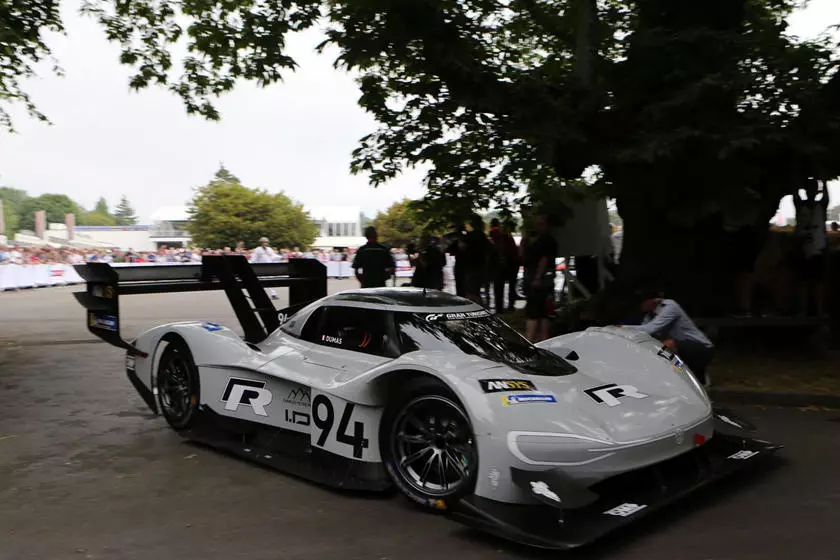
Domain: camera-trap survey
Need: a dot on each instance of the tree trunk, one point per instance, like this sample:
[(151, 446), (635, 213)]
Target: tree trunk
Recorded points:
[(685, 262)]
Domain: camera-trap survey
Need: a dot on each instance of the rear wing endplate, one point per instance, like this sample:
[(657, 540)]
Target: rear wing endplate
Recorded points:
[(305, 278)]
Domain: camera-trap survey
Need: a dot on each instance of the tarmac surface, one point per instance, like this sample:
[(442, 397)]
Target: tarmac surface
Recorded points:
[(86, 472)]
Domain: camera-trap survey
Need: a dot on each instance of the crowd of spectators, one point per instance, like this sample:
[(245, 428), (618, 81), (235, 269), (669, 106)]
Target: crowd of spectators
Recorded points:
[(18, 254)]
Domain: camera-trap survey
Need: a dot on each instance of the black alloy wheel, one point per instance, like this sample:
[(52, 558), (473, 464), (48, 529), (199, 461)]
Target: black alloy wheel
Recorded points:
[(177, 384)]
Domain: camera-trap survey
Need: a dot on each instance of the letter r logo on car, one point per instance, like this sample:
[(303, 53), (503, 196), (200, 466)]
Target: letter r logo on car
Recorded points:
[(246, 392), (610, 394)]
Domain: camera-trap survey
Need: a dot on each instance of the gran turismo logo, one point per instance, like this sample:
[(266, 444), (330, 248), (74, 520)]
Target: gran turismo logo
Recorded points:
[(246, 392), (612, 394)]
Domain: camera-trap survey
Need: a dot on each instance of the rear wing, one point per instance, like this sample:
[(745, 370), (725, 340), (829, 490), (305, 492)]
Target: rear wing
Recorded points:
[(305, 278)]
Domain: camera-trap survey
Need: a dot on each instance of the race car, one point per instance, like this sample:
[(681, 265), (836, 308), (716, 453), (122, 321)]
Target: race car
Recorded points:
[(551, 445)]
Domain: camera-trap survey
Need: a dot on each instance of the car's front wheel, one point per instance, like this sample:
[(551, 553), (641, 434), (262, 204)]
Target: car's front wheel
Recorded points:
[(177, 384), (428, 445)]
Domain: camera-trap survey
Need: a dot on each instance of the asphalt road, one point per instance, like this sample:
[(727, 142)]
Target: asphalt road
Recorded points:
[(87, 473)]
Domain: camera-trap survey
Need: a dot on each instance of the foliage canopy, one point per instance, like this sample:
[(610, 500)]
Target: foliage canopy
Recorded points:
[(225, 212), (690, 113), (400, 224)]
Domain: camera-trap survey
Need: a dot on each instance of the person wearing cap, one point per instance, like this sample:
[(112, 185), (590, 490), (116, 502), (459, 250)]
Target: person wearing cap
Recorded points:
[(264, 254), (374, 264), (666, 320)]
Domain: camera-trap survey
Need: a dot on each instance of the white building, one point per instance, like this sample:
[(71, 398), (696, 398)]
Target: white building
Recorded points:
[(169, 226), (340, 227)]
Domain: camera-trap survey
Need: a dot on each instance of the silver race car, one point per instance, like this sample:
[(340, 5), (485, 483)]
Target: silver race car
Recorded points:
[(550, 445)]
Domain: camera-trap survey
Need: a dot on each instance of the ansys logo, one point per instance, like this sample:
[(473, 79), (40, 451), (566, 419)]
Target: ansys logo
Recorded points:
[(500, 385)]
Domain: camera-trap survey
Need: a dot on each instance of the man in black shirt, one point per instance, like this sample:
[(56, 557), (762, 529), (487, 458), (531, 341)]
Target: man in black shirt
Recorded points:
[(454, 246), (540, 252), (373, 262), (428, 265), (476, 253)]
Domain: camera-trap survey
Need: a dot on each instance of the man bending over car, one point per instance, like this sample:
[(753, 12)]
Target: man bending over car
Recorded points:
[(667, 321)]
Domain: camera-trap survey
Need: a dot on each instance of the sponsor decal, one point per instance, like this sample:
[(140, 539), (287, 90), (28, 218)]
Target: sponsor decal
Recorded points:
[(282, 317), (104, 322), (742, 455), (540, 488), (679, 437), (625, 510), (211, 327), (494, 475), (246, 392), (611, 394), (666, 353), (57, 272), (457, 316), (502, 385), (508, 400), (331, 339), (298, 398), (130, 363), (296, 417)]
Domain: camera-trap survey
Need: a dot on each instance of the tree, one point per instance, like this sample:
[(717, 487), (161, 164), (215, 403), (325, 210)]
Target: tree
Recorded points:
[(96, 218), (400, 224), (101, 207), (499, 97), (13, 200), (21, 47), (224, 212), (124, 213), (57, 206)]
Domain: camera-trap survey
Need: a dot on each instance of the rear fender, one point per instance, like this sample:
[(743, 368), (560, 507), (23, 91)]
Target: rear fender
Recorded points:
[(209, 343)]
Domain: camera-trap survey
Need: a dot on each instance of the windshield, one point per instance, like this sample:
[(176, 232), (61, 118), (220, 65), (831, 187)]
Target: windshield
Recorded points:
[(477, 334)]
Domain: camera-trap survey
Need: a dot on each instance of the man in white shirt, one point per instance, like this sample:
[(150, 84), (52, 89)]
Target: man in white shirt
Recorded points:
[(264, 254), (666, 320)]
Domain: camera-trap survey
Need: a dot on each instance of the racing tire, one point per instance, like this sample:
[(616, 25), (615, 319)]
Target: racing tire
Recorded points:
[(428, 445), (177, 384)]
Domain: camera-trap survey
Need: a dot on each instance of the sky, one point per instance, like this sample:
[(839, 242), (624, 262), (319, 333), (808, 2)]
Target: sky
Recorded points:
[(294, 137)]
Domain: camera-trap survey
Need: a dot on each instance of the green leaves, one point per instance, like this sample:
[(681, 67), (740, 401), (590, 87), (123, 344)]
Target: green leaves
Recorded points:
[(225, 40), (124, 213), (683, 103), (225, 212), (22, 23), (402, 223)]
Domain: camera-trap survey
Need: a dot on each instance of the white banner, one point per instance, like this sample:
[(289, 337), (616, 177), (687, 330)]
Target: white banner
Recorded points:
[(21, 276)]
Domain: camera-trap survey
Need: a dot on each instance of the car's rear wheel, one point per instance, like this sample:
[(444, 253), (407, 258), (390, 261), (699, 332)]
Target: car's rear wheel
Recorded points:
[(428, 445), (177, 384)]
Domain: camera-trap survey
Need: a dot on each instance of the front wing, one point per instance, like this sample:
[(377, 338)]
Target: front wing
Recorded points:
[(610, 504)]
